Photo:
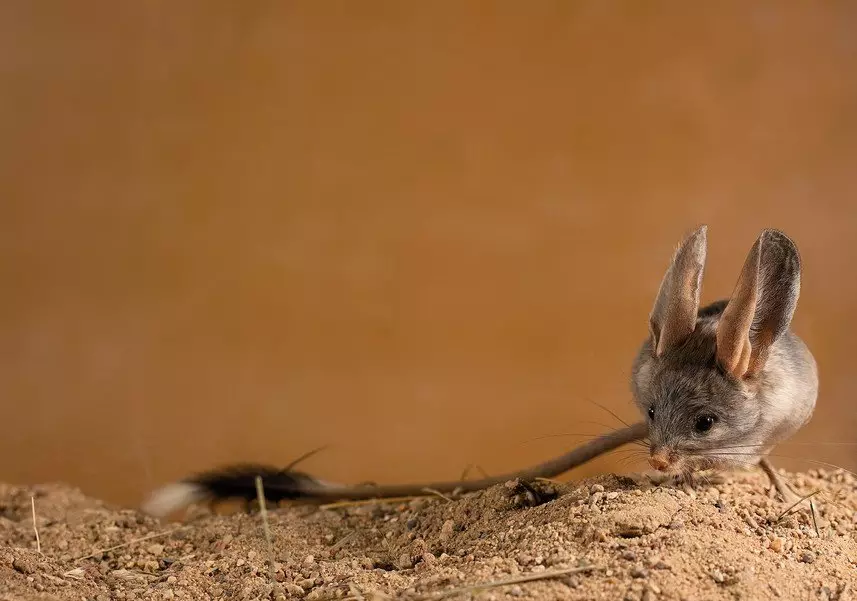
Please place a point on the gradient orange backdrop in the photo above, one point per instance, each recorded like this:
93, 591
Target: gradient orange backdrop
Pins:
424, 233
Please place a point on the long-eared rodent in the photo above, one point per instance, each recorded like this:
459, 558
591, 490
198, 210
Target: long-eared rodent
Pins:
718, 387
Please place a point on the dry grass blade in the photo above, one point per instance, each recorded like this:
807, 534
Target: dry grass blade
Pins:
130, 542
35, 527
263, 511
796, 503
505, 582
370, 501
814, 519
437, 493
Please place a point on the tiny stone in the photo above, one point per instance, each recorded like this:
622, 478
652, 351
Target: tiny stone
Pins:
639, 572
629, 555
171, 579
516, 591
807, 557
718, 576
447, 530
240, 562
596, 488
612, 495
776, 545
294, 590
25, 566
155, 549
309, 560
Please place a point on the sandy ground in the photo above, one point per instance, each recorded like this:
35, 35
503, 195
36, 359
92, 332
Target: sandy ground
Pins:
605, 538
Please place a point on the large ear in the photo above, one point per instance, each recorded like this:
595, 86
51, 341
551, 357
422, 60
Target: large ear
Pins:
762, 305
673, 317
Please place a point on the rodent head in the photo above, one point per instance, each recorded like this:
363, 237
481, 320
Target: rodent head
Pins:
696, 379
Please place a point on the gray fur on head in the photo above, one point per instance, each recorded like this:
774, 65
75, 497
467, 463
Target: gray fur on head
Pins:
721, 385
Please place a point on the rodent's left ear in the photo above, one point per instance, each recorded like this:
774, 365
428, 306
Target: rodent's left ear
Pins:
673, 318
761, 306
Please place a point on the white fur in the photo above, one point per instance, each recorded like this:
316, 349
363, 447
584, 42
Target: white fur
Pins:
173, 497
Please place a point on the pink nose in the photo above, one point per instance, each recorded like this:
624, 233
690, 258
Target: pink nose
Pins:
659, 461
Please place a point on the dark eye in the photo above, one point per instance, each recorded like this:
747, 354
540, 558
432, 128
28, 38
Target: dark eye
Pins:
704, 423
651, 413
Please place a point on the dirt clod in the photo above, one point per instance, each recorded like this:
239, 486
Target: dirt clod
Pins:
609, 537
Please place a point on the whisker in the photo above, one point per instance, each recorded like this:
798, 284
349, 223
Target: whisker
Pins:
564, 435
608, 411
815, 461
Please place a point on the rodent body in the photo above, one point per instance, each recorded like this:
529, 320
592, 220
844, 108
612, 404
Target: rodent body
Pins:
718, 387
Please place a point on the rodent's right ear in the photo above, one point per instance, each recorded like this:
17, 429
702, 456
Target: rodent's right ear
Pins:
673, 317
761, 306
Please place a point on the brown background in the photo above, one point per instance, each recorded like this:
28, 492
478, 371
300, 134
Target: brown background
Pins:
424, 233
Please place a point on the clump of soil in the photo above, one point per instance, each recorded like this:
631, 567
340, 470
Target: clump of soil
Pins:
605, 538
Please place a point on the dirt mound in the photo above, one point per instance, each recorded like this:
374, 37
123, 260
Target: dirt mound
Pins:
610, 537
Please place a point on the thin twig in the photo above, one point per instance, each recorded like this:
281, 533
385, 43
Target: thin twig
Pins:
796, 503
437, 493
370, 501
263, 510
814, 521
36, 528
343, 540
131, 542
506, 582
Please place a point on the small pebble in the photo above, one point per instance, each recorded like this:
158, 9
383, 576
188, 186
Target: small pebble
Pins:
447, 530
718, 576
155, 549
294, 590
596, 488
25, 566
639, 572
776, 544
807, 557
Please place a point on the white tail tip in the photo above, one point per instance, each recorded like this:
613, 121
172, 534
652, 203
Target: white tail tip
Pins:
173, 497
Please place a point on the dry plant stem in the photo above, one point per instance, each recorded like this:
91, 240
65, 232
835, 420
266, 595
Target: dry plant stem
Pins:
131, 542
437, 493
507, 582
36, 528
369, 501
787, 493
263, 511
548, 469
796, 503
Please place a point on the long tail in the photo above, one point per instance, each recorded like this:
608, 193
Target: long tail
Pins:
240, 480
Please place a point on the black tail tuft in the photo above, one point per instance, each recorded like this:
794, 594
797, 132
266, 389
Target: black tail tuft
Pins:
239, 481
230, 482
